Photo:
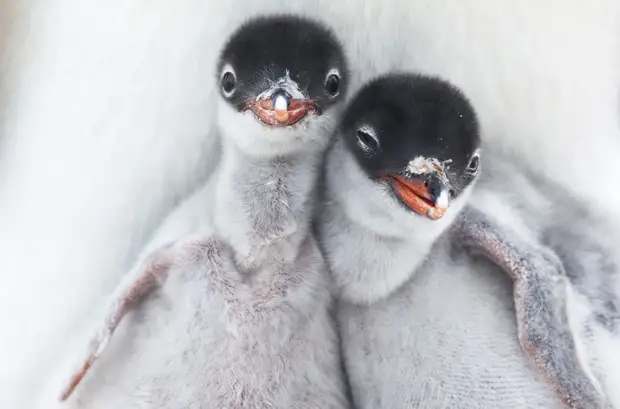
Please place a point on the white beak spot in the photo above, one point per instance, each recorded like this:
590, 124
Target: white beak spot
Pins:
443, 201
280, 103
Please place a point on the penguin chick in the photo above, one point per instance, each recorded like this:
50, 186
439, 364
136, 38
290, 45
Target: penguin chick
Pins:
249, 325
399, 176
401, 168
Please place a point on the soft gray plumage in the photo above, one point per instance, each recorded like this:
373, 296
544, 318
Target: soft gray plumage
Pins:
421, 327
375, 247
568, 309
232, 305
105, 129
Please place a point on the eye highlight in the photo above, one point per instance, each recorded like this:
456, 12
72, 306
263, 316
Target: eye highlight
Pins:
367, 139
474, 164
332, 83
228, 82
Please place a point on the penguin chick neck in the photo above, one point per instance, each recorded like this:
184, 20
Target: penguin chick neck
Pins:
263, 205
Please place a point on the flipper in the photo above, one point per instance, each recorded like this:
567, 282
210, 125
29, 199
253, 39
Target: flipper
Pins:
588, 247
141, 281
540, 289
205, 256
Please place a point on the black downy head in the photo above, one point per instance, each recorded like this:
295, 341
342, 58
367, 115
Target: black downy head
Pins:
283, 68
418, 134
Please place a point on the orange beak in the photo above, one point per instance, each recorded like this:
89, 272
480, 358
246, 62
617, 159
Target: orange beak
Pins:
279, 111
417, 195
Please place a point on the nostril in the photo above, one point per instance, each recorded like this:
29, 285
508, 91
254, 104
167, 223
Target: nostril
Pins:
435, 188
282, 93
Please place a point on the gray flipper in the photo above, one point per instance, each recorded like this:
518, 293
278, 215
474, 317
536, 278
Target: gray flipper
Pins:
540, 288
141, 281
588, 246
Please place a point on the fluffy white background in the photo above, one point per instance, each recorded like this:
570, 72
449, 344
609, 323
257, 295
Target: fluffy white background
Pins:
106, 117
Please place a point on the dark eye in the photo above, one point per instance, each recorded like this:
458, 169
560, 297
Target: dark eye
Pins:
332, 84
228, 83
366, 137
474, 164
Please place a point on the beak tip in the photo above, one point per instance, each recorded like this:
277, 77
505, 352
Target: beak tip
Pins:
280, 103
443, 200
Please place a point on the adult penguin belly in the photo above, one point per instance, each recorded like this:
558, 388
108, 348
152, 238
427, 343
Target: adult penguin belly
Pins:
445, 339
